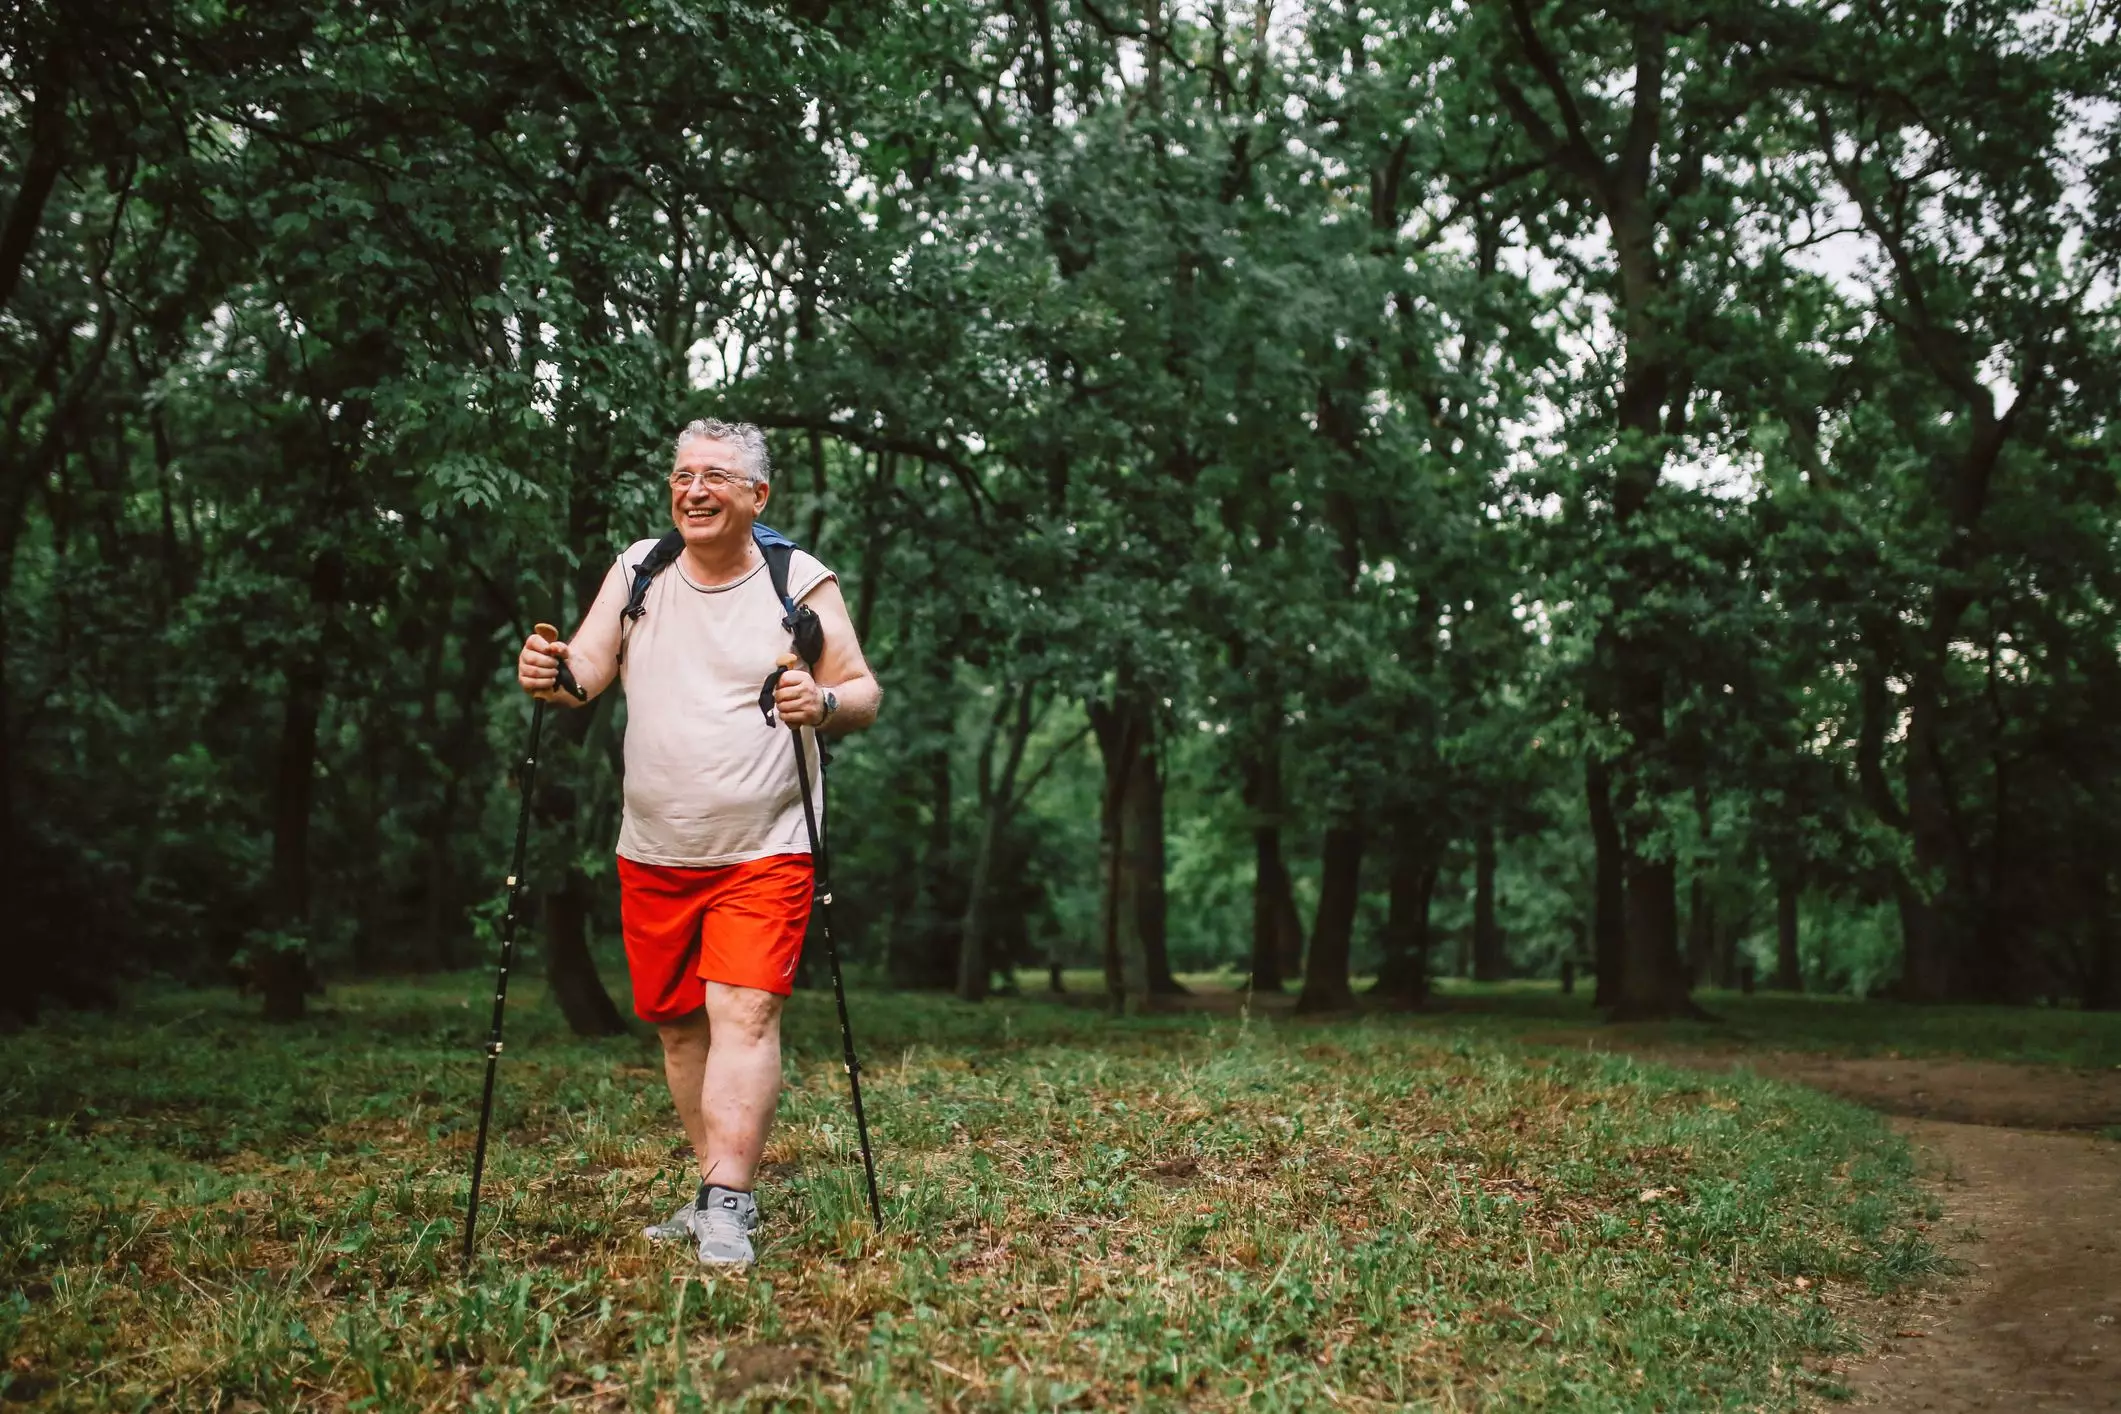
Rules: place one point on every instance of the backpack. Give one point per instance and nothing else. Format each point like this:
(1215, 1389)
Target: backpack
(800, 620)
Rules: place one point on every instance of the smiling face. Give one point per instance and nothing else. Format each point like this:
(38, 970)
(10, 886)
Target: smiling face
(713, 499)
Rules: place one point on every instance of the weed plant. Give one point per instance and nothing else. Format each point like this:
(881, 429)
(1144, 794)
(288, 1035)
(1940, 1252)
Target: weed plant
(1212, 1212)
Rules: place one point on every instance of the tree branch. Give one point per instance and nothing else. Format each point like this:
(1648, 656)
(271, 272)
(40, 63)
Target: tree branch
(1045, 767)
(47, 155)
(1582, 153)
(1648, 112)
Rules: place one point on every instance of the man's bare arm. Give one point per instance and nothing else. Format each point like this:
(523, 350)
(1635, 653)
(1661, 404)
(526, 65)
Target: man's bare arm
(593, 652)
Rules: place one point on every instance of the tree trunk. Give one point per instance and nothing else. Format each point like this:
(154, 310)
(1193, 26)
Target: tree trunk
(569, 967)
(1653, 975)
(1404, 977)
(972, 964)
(1132, 807)
(1274, 919)
(1701, 934)
(1789, 973)
(930, 957)
(461, 750)
(1145, 837)
(1921, 962)
(1609, 920)
(997, 800)
(1487, 936)
(1270, 873)
(2102, 989)
(40, 173)
(1649, 406)
(2102, 983)
(1707, 956)
(1276, 932)
(282, 972)
(1930, 934)
(1291, 926)
(1326, 986)
(1654, 984)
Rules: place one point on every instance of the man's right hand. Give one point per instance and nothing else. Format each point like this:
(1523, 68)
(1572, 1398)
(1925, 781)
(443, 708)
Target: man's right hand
(538, 667)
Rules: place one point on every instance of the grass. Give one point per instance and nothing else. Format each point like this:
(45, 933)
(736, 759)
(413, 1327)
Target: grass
(1537, 1012)
(1833, 1024)
(1836, 1025)
(1202, 1211)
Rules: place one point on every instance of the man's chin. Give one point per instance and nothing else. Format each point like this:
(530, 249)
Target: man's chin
(706, 535)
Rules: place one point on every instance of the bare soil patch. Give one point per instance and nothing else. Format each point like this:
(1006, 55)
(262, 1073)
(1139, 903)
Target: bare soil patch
(2036, 1323)
(752, 1365)
(1963, 1091)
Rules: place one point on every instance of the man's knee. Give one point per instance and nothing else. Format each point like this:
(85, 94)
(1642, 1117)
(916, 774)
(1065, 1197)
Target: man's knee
(686, 1036)
(744, 1016)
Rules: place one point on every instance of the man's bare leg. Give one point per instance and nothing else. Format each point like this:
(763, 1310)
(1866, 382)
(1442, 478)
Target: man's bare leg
(685, 1045)
(741, 1083)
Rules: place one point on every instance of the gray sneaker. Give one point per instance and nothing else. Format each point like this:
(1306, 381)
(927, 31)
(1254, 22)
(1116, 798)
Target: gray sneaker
(678, 1229)
(723, 1228)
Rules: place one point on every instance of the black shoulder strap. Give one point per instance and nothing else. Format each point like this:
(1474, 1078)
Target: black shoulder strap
(801, 621)
(654, 563)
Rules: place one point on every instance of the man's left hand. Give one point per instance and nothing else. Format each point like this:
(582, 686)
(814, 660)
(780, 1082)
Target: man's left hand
(799, 701)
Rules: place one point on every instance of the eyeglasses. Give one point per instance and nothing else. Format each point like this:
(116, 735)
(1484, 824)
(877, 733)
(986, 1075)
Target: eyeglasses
(713, 479)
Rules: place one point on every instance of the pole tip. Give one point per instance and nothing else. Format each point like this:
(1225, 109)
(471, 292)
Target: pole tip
(549, 632)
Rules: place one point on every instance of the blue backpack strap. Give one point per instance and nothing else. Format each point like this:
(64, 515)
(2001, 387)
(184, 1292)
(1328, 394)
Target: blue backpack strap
(779, 550)
(800, 620)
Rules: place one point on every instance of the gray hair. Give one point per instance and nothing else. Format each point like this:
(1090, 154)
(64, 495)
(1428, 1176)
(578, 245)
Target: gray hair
(749, 441)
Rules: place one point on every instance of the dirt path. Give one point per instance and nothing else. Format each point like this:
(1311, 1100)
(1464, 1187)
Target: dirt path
(2041, 1097)
(2037, 1323)
(2034, 1216)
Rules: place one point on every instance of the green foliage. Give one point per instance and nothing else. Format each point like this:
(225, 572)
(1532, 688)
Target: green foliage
(1383, 411)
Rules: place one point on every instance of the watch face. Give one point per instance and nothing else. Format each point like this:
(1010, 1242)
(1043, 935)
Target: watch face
(832, 702)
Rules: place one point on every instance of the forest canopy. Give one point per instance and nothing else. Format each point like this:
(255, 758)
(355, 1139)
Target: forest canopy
(1333, 491)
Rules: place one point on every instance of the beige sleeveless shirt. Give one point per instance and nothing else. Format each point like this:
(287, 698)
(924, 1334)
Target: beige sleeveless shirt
(707, 781)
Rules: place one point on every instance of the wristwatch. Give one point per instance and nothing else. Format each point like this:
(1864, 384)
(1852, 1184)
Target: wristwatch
(832, 704)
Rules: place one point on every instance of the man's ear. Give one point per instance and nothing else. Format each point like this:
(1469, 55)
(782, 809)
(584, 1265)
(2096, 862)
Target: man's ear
(764, 491)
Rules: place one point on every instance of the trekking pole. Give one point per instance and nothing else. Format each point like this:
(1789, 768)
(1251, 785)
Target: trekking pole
(516, 892)
(823, 891)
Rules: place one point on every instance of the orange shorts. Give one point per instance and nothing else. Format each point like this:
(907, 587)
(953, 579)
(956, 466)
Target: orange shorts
(739, 924)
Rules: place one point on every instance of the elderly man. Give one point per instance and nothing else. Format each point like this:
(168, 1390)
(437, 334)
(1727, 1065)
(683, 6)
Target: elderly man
(714, 866)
